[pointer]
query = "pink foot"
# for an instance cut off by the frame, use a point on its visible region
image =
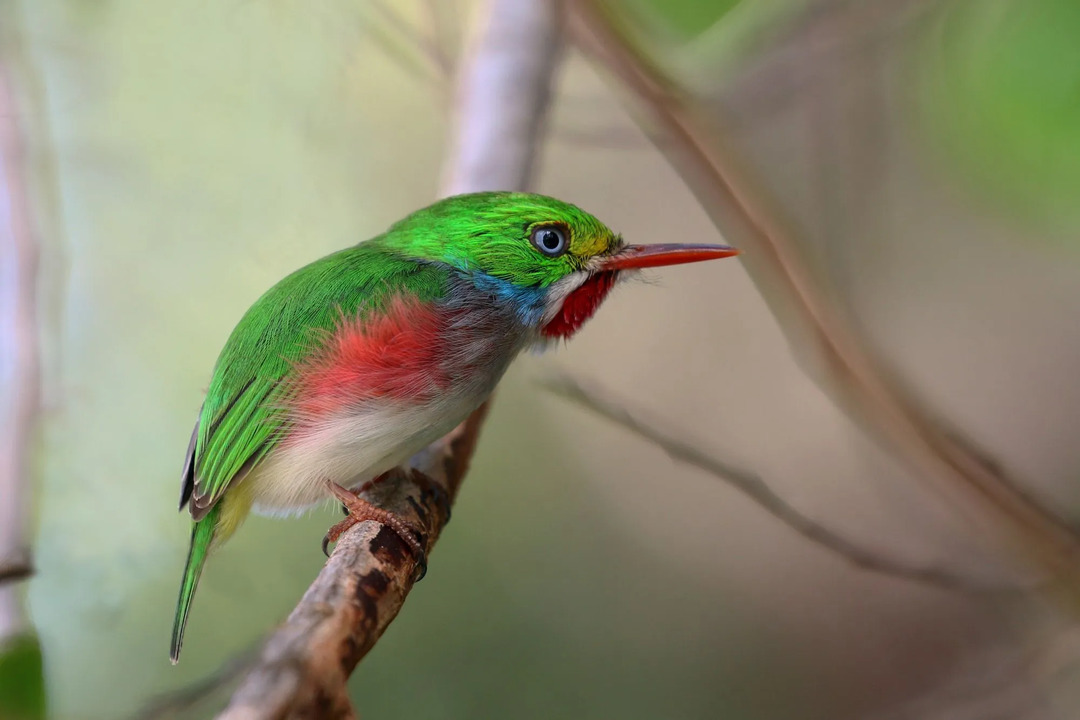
(360, 510)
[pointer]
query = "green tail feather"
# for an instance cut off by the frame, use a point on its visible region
(201, 537)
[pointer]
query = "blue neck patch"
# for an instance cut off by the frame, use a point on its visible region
(527, 302)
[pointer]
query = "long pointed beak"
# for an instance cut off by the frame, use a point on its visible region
(634, 257)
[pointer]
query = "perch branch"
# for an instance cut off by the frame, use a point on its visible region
(864, 385)
(752, 486)
(304, 667)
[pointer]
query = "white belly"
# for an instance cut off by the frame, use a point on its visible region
(350, 449)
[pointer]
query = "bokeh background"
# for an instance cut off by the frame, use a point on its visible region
(182, 156)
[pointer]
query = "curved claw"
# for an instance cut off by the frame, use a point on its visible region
(358, 509)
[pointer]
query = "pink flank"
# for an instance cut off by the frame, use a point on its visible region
(396, 354)
(580, 305)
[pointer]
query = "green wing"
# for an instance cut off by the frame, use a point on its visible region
(238, 423)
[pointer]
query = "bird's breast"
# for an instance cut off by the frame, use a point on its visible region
(412, 353)
(376, 391)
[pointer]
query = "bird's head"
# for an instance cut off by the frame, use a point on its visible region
(551, 261)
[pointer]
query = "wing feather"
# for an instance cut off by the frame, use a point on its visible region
(242, 418)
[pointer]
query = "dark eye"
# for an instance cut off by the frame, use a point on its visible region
(550, 240)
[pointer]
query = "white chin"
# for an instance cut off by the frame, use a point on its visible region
(558, 293)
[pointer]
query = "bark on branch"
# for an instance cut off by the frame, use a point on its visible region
(304, 667)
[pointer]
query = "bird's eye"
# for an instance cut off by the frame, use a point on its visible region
(550, 240)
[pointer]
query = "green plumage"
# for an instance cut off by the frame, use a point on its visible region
(488, 232)
(239, 421)
(484, 236)
(202, 536)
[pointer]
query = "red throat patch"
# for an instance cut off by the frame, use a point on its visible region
(580, 305)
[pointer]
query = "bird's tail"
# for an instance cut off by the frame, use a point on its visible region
(202, 535)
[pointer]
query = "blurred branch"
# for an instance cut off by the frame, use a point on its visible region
(429, 46)
(752, 486)
(601, 138)
(503, 95)
(440, 15)
(402, 55)
(863, 383)
(184, 699)
(15, 570)
(19, 362)
(304, 667)
(822, 34)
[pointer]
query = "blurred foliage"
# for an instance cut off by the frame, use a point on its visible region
(22, 685)
(685, 19)
(1000, 85)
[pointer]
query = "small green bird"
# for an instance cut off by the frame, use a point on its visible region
(352, 364)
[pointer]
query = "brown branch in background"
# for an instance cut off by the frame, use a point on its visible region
(752, 486)
(19, 359)
(440, 30)
(15, 571)
(863, 383)
(303, 670)
(606, 138)
(430, 47)
(402, 55)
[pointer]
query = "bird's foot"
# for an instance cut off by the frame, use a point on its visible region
(369, 485)
(360, 510)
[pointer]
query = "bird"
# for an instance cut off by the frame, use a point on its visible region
(352, 364)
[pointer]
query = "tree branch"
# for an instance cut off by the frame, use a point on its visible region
(752, 486)
(19, 363)
(860, 380)
(502, 97)
(15, 570)
(304, 667)
(430, 48)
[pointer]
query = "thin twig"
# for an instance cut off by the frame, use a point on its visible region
(15, 570)
(753, 487)
(402, 56)
(609, 138)
(442, 41)
(865, 386)
(429, 47)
